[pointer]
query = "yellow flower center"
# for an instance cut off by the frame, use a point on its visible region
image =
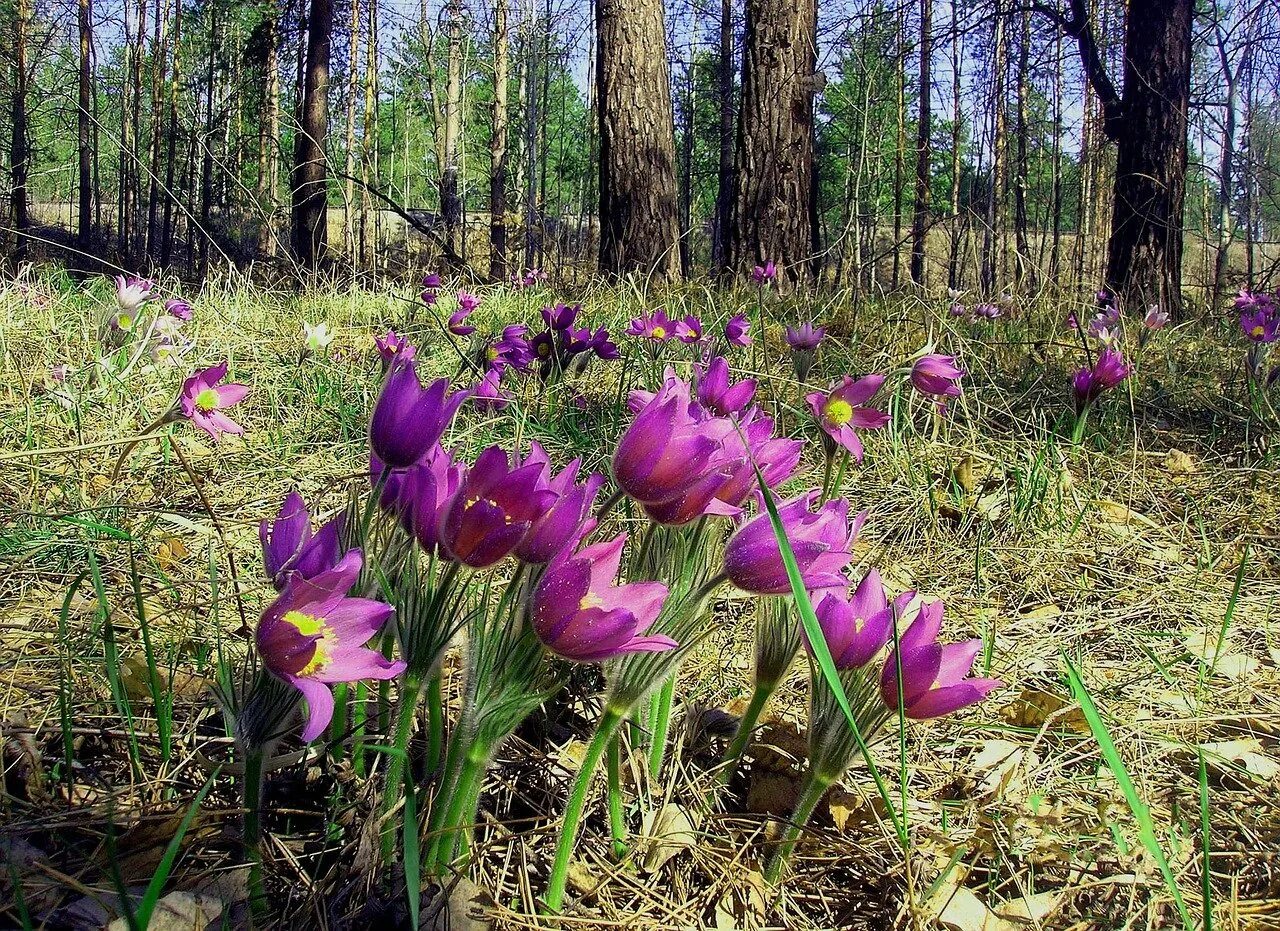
(124, 322)
(1257, 331)
(590, 600)
(472, 502)
(544, 350)
(491, 354)
(837, 411)
(310, 626)
(207, 400)
(659, 332)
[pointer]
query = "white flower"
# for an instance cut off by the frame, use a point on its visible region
(132, 293)
(167, 327)
(316, 337)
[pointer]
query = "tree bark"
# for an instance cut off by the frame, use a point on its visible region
(1024, 272)
(498, 169)
(450, 202)
(639, 221)
(310, 177)
(353, 84)
(84, 133)
(269, 128)
(920, 217)
(18, 149)
(724, 168)
(993, 235)
(772, 213)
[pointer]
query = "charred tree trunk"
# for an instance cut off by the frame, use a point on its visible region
(724, 168)
(639, 221)
(498, 147)
(772, 215)
(84, 133)
(920, 217)
(18, 149)
(450, 201)
(310, 178)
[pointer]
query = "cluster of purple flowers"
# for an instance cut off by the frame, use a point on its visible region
(982, 311)
(1092, 381)
(1259, 315)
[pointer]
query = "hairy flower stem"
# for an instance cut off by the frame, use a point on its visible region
(435, 722)
(252, 830)
(815, 787)
(608, 724)
(1082, 420)
(393, 785)
(338, 726)
(760, 696)
(464, 799)
(661, 725)
(617, 826)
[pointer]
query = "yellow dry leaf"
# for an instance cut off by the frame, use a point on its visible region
(667, 831)
(171, 552)
(1247, 752)
(1179, 463)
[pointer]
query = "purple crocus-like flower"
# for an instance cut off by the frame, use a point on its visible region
(177, 307)
(579, 614)
(468, 301)
(511, 349)
(568, 519)
(203, 401)
(656, 326)
(289, 548)
(457, 324)
(493, 509)
(1107, 373)
(1260, 325)
(763, 274)
(543, 346)
(806, 337)
(938, 375)
(821, 541)
(1155, 318)
(856, 628)
(934, 679)
(957, 310)
(561, 316)
(987, 311)
(488, 394)
(718, 394)
(604, 347)
(393, 348)
(313, 635)
(689, 330)
(736, 331)
(1104, 298)
(422, 492)
(132, 293)
(431, 280)
(841, 411)
(408, 419)
(777, 456)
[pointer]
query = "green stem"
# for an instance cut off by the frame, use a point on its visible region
(661, 724)
(252, 831)
(746, 727)
(471, 773)
(393, 785)
(617, 826)
(338, 726)
(605, 728)
(1077, 433)
(815, 788)
(435, 721)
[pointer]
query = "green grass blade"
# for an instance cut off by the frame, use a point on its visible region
(1141, 813)
(412, 855)
(161, 876)
(1206, 878)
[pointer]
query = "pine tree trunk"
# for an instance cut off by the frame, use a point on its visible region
(639, 222)
(353, 83)
(498, 147)
(368, 145)
(269, 125)
(84, 134)
(167, 231)
(772, 215)
(159, 57)
(724, 168)
(1024, 274)
(993, 238)
(450, 202)
(18, 149)
(310, 178)
(920, 217)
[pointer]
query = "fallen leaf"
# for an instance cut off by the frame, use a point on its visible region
(179, 911)
(1247, 752)
(959, 908)
(1176, 462)
(1035, 707)
(665, 832)
(772, 794)
(1032, 909)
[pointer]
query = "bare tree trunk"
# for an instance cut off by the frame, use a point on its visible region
(900, 145)
(269, 125)
(450, 203)
(724, 170)
(639, 223)
(84, 136)
(920, 218)
(18, 148)
(206, 162)
(1055, 253)
(368, 146)
(170, 196)
(686, 165)
(353, 82)
(953, 259)
(993, 238)
(1024, 273)
(498, 147)
(310, 178)
(1226, 231)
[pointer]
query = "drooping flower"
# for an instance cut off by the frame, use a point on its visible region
(579, 614)
(763, 274)
(1260, 325)
(938, 375)
(604, 347)
(131, 294)
(422, 493)
(408, 419)
(857, 627)
(203, 401)
(289, 548)
(656, 326)
(1107, 373)
(457, 324)
(841, 411)
(718, 394)
(689, 330)
(806, 337)
(821, 542)
(313, 635)
(393, 348)
(316, 337)
(177, 307)
(736, 331)
(561, 316)
(488, 394)
(567, 519)
(493, 509)
(934, 679)
(1155, 319)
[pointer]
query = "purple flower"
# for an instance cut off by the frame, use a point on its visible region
(856, 628)
(488, 394)
(289, 548)
(1107, 373)
(394, 348)
(457, 324)
(1260, 325)
(528, 279)
(543, 346)
(656, 326)
(422, 492)
(579, 614)
(735, 331)
(718, 394)
(203, 400)
(821, 542)
(603, 346)
(511, 349)
(806, 337)
(1155, 319)
(177, 307)
(313, 635)
(561, 316)
(408, 419)
(568, 519)
(841, 411)
(689, 330)
(763, 274)
(431, 280)
(938, 375)
(957, 310)
(131, 294)
(987, 311)
(467, 301)
(493, 509)
(1105, 298)
(933, 674)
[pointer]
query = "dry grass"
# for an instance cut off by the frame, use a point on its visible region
(1115, 555)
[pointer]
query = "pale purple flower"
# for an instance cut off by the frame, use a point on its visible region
(842, 410)
(203, 401)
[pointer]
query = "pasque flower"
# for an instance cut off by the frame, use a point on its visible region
(203, 401)
(1107, 373)
(408, 419)
(493, 509)
(736, 331)
(933, 674)
(763, 274)
(689, 330)
(856, 627)
(131, 294)
(1155, 318)
(316, 337)
(177, 307)
(720, 395)
(568, 518)
(604, 347)
(1260, 325)
(656, 326)
(937, 374)
(457, 324)
(806, 337)
(421, 493)
(841, 411)
(561, 316)
(393, 347)
(313, 635)
(290, 548)
(821, 541)
(488, 394)
(579, 614)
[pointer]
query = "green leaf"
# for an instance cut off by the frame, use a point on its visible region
(156, 886)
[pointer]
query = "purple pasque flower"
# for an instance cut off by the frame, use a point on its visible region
(457, 324)
(656, 326)
(805, 337)
(420, 494)
(856, 627)
(493, 509)
(203, 401)
(1107, 373)
(392, 348)
(934, 679)
(1155, 318)
(568, 519)
(510, 350)
(1260, 325)
(431, 280)
(468, 301)
(289, 548)
(957, 310)
(938, 375)
(579, 614)
(408, 419)
(604, 347)
(821, 540)
(177, 307)
(528, 279)
(1104, 298)
(313, 635)
(736, 331)
(561, 316)
(777, 456)
(689, 330)
(543, 346)
(763, 274)
(718, 394)
(488, 395)
(987, 311)
(131, 294)
(841, 411)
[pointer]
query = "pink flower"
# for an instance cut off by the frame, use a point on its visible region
(841, 411)
(203, 400)
(934, 679)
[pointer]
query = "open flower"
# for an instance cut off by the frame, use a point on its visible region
(841, 411)
(806, 337)
(857, 627)
(1260, 325)
(313, 635)
(567, 519)
(689, 330)
(656, 326)
(316, 337)
(289, 548)
(394, 348)
(131, 294)
(736, 331)
(763, 274)
(488, 394)
(579, 614)
(821, 542)
(717, 393)
(457, 324)
(408, 419)
(938, 375)
(203, 401)
(933, 674)
(1155, 319)
(493, 509)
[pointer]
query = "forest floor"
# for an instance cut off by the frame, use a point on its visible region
(1146, 557)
